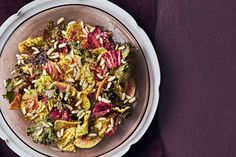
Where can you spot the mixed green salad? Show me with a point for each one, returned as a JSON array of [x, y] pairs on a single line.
[[73, 84]]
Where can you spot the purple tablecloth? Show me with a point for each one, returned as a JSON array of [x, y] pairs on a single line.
[[195, 42]]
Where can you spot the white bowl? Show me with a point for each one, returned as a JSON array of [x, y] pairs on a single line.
[[30, 21]]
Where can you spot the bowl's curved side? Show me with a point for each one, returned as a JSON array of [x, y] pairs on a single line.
[[154, 72]]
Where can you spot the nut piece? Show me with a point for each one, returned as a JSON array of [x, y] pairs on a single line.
[[71, 23], [50, 51], [105, 100], [60, 20], [111, 78], [62, 45], [82, 24], [108, 85], [99, 76], [123, 97], [92, 135], [78, 103], [62, 132], [132, 100], [102, 118], [39, 132]]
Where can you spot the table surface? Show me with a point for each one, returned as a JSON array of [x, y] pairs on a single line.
[[196, 46]]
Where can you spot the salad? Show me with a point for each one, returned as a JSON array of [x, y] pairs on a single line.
[[73, 85]]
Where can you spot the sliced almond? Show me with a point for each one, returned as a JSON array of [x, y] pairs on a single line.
[[78, 103], [62, 132], [34, 117], [71, 23], [62, 45], [99, 76], [92, 135], [122, 47], [112, 121], [99, 57], [50, 124], [103, 66], [123, 97], [58, 134], [81, 116], [64, 33], [80, 113], [87, 29], [92, 29], [34, 81], [102, 62], [58, 69], [45, 124], [73, 65], [79, 62], [50, 51], [132, 100], [109, 129], [72, 53], [18, 62], [61, 95], [33, 112], [18, 82], [102, 118], [117, 46], [69, 107], [74, 111], [22, 62], [66, 96], [123, 61], [109, 85], [97, 36], [29, 114], [78, 95], [24, 55], [54, 56], [77, 75], [60, 20], [70, 80], [128, 97], [105, 100], [26, 91], [36, 52], [107, 74], [39, 132], [82, 24], [99, 98], [101, 40], [99, 125], [84, 31], [5, 83], [68, 87], [83, 36], [31, 104], [24, 110], [70, 70], [111, 78], [85, 85], [55, 45], [13, 72], [35, 49]]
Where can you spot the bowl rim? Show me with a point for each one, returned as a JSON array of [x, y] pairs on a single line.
[[125, 19]]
